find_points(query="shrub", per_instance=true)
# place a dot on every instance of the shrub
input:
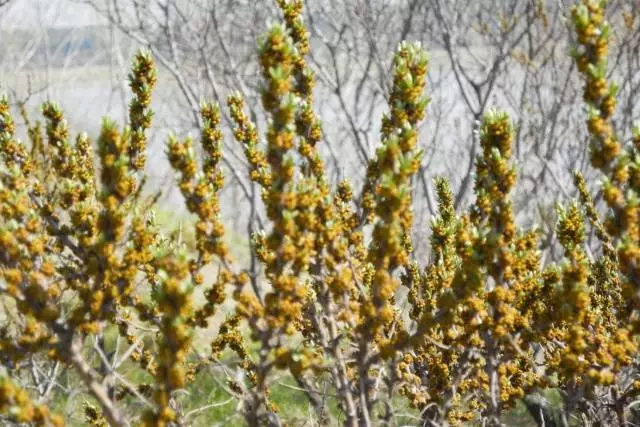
(485, 324)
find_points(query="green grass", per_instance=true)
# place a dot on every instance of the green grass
(206, 390)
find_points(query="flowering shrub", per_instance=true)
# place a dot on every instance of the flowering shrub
(486, 323)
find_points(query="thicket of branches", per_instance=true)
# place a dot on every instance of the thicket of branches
(343, 303)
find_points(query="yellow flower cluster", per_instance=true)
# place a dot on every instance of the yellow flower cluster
(27, 265)
(93, 416)
(175, 305)
(389, 178)
(596, 345)
(200, 187)
(592, 309)
(18, 407)
(307, 123)
(620, 231)
(592, 33)
(476, 304)
(408, 103)
(142, 80)
(245, 132)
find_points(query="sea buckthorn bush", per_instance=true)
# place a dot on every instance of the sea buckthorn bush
(99, 302)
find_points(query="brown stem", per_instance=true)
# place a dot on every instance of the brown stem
(90, 379)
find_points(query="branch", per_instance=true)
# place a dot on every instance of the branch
(204, 408)
(96, 389)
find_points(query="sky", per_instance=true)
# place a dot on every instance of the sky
(48, 13)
